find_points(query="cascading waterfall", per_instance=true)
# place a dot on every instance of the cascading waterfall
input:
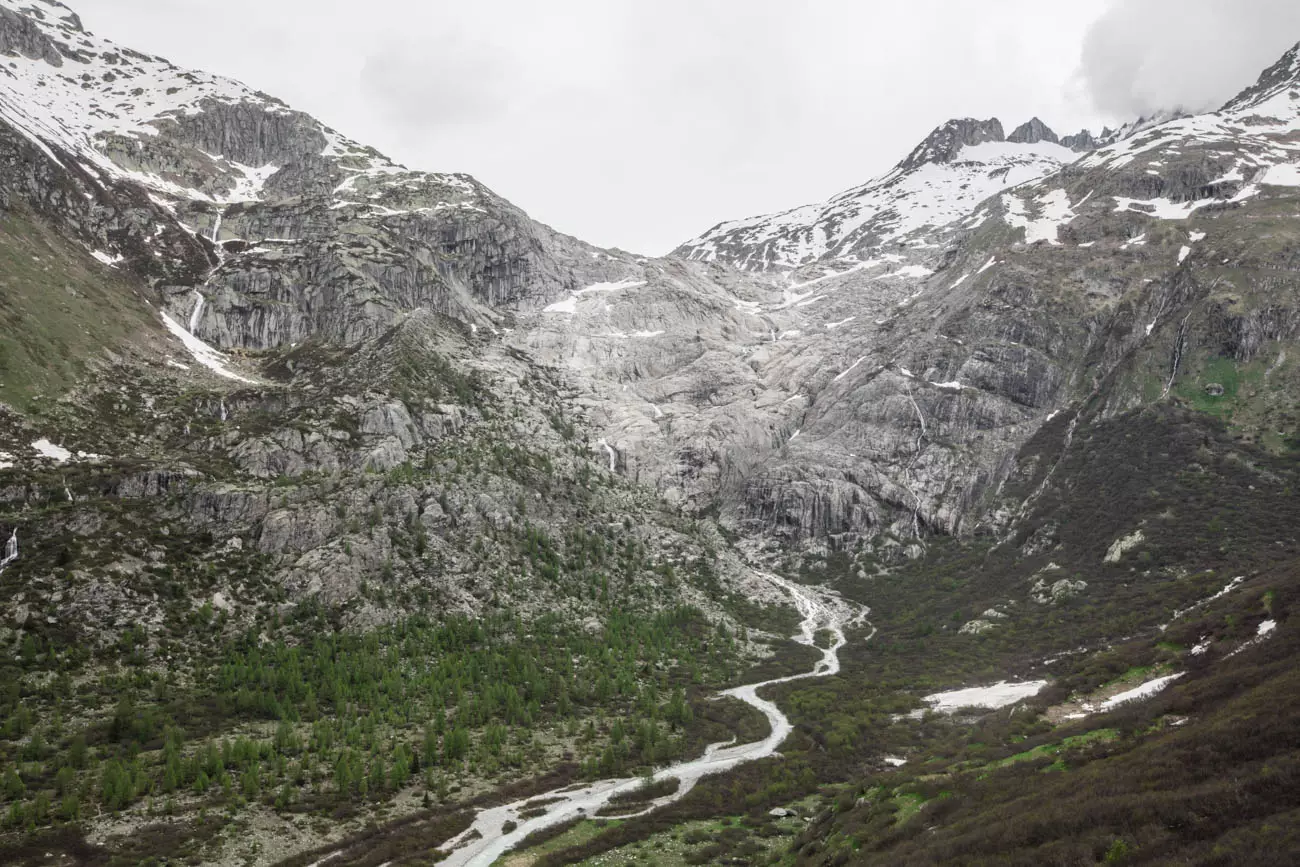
(11, 549)
(197, 312)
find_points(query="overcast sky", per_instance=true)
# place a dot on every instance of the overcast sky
(640, 123)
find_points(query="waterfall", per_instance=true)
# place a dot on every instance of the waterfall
(224, 414)
(198, 311)
(11, 549)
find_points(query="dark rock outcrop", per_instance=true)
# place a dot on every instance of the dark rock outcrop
(945, 143)
(1032, 132)
(19, 34)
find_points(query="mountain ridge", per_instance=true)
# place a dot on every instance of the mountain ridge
(801, 236)
(351, 491)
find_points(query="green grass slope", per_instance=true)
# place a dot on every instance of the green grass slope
(60, 311)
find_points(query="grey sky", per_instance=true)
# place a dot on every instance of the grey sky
(638, 124)
(1145, 56)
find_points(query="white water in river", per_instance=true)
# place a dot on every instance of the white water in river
(820, 608)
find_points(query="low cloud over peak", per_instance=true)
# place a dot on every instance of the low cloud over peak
(1145, 56)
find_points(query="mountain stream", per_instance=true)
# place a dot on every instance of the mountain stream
(487, 840)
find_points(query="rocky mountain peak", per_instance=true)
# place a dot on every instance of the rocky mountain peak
(1081, 142)
(945, 143)
(957, 166)
(1281, 76)
(1033, 131)
(47, 14)
(22, 35)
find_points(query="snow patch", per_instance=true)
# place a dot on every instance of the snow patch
(850, 368)
(204, 354)
(1146, 690)
(568, 305)
(1262, 632)
(47, 449)
(1161, 209)
(1231, 585)
(1284, 175)
(992, 697)
(1054, 207)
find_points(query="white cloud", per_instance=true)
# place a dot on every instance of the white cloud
(438, 79)
(1144, 56)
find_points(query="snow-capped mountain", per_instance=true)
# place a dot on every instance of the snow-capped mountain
(883, 382)
(1168, 170)
(308, 235)
(194, 140)
(946, 176)
(307, 232)
(67, 88)
(251, 370)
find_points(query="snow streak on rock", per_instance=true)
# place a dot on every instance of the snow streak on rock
(204, 354)
(1146, 690)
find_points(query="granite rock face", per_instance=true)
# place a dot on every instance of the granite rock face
(863, 371)
(21, 35)
(314, 235)
(1032, 132)
(884, 393)
(948, 141)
